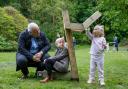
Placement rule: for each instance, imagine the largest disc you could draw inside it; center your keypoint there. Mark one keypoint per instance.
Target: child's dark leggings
(49, 66)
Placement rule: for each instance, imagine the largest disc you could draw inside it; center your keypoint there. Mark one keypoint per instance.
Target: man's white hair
(32, 25)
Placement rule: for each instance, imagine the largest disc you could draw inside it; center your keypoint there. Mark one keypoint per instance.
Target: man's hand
(39, 55)
(35, 58)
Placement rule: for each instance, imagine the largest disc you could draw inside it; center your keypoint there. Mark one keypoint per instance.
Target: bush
(124, 42)
(19, 20)
(11, 24)
(6, 45)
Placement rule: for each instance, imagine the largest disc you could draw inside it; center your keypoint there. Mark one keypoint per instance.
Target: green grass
(116, 73)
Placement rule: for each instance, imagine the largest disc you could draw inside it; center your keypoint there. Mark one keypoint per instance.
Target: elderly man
(33, 46)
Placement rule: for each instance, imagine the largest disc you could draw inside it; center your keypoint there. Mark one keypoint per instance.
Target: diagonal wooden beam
(91, 19)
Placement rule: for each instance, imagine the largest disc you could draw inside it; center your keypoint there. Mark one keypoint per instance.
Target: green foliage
(6, 24)
(6, 45)
(115, 15)
(19, 20)
(4, 2)
(25, 7)
(11, 24)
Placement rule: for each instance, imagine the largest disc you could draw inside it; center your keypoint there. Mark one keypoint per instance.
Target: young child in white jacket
(97, 53)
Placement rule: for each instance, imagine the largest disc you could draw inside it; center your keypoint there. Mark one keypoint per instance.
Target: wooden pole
(66, 22)
(74, 70)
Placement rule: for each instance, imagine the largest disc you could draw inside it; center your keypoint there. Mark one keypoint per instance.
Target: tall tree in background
(25, 7)
(4, 2)
(115, 15)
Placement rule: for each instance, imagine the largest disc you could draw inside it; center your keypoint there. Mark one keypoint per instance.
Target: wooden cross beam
(80, 26)
(69, 27)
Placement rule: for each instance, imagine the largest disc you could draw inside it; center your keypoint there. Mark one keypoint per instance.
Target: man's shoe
(39, 73)
(23, 77)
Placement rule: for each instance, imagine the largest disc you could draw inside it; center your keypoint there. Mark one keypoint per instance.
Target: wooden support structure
(79, 27)
(66, 22)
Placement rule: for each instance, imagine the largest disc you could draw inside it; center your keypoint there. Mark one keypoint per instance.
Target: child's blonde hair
(58, 39)
(98, 31)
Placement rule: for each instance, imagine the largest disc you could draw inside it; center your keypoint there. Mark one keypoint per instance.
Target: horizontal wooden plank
(91, 19)
(76, 27)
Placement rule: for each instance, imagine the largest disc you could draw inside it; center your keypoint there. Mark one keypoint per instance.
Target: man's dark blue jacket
(24, 44)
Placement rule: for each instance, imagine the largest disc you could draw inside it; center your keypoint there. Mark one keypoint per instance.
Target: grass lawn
(116, 73)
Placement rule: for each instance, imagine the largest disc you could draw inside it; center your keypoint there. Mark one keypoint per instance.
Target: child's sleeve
(60, 56)
(89, 34)
(104, 43)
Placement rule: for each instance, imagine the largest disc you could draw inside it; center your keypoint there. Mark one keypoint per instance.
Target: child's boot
(102, 83)
(90, 81)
